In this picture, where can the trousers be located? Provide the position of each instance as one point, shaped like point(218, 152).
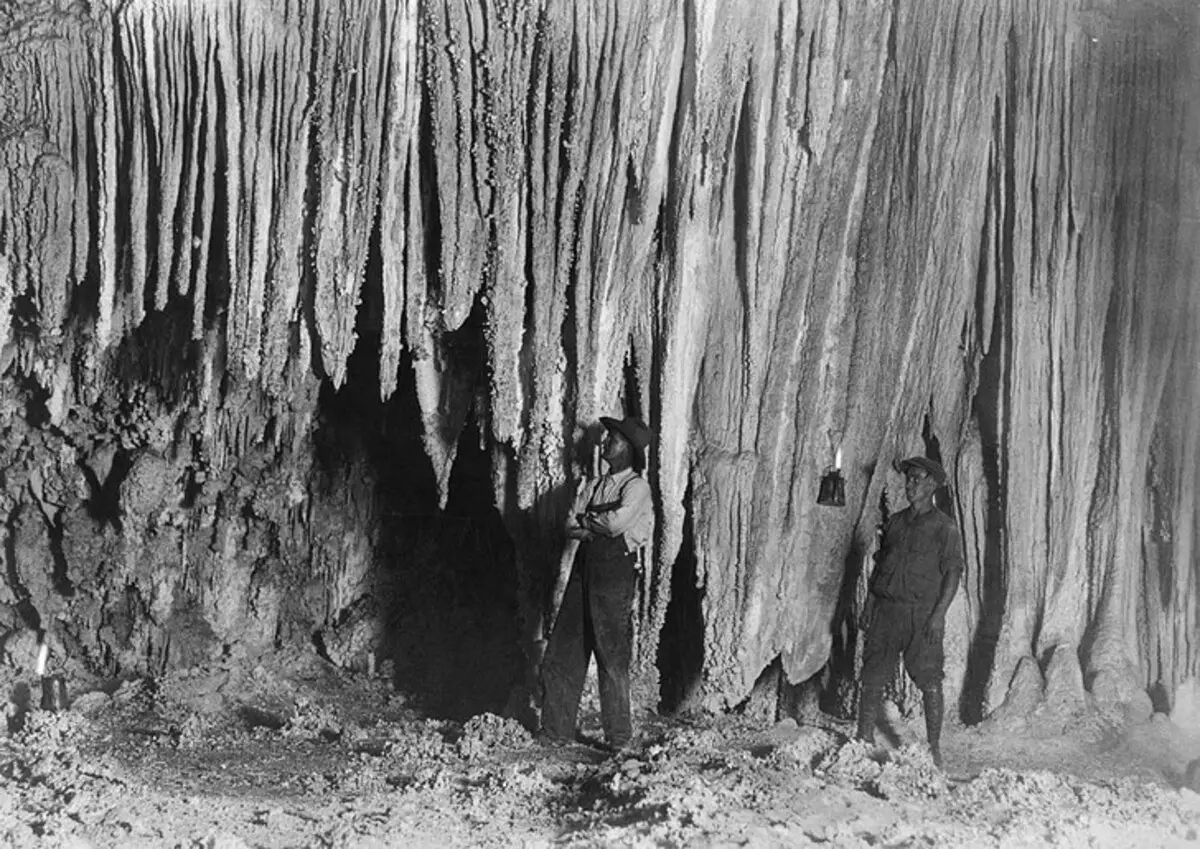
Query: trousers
point(897, 631)
point(595, 617)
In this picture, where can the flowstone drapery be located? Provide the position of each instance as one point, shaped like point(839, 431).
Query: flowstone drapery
point(773, 230)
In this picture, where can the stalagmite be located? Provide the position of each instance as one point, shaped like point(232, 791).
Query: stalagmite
point(784, 234)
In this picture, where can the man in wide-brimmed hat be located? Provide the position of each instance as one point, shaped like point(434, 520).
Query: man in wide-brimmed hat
point(917, 572)
point(614, 520)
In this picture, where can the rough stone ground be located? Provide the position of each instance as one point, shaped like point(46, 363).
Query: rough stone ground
point(290, 751)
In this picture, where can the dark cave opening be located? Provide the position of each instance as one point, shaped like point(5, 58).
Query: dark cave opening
point(444, 582)
point(681, 644)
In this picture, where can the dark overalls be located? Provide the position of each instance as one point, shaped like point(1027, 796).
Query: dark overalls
point(596, 615)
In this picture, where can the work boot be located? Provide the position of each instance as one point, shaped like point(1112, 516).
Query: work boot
point(934, 707)
point(551, 740)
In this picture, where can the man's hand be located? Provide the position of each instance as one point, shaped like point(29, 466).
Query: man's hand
point(580, 529)
point(935, 628)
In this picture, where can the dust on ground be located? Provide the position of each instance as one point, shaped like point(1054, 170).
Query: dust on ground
point(291, 751)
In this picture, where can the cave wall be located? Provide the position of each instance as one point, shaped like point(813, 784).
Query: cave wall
point(968, 228)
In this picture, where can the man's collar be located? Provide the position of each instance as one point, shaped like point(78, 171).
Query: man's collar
point(914, 516)
point(624, 473)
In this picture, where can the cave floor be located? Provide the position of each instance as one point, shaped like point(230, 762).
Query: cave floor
point(292, 752)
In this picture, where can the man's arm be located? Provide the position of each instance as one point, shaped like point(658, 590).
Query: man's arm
point(575, 529)
point(633, 504)
point(881, 543)
point(952, 569)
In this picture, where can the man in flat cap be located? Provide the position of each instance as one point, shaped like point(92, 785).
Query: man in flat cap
point(613, 520)
point(917, 572)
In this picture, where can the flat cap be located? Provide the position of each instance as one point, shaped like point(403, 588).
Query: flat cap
point(932, 467)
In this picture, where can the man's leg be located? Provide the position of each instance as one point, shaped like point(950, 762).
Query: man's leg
point(870, 700)
point(611, 585)
point(879, 662)
point(925, 663)
point(932, 698)
point(564, 667)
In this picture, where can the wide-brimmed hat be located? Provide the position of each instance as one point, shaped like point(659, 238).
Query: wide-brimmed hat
point(933, 467)
point(634, 430)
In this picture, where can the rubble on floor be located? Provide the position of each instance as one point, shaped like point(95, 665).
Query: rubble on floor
point(294, 752)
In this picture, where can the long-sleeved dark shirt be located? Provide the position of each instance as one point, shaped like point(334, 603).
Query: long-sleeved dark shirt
point(917, 552)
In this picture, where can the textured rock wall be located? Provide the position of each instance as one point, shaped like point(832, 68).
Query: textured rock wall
point(967, 228)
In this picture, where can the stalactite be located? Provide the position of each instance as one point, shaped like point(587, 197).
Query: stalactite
point(208, 165)
point(350, 100)
point(459, 116)
point(287, 138)
point(165, 79)
point(398, 245)
point(516, 40)
point(53, 177)
point(251, 105)
point(134, 165)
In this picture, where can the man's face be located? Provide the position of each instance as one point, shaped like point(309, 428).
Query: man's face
point(919, 484)
point(615, 446)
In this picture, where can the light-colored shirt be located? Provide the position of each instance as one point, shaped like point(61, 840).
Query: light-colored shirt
point(632, 516)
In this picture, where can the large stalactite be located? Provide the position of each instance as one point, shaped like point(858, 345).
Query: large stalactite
point(774, 230)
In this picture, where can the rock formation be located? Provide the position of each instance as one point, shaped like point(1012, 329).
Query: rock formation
point(773, 229)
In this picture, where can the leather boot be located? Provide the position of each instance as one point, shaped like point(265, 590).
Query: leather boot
point(934, 707)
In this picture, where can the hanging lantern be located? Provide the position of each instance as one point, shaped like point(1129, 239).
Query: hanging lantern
point(833, 486)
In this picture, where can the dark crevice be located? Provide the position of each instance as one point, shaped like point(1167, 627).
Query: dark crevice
point(37, 397)
point(667, 230)
point(103, 504)
point(153, 214)
point(1102, 562)
point(307, 296)
point(632, 386)
point(369, 320)
point(123, 206)
point(838, 681)
point(564, 201)
point(635, 202)
point(681, 645)
point(992, 599)
point(933, 447)
point(427, 186)
point(84, 306)
point(891, 36)
point(1160, 491)
point(533, 225)
point(743, 165)
point(217, 287)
